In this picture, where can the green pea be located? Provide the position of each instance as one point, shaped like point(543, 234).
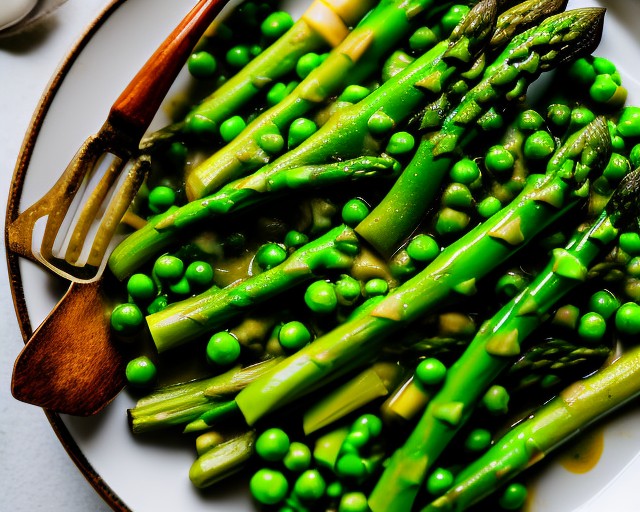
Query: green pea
point(354, 501)
point(439, 481)
point(320, 297)
point(375, 287)
point(423, 248)
point(430, 372)
point(457, 195)
point(231, 128)
point(539, 145)
point(592, 327)
point(158, 304)
point(581, 117)
point(634, 156)
point(335, 489)
point(513, 497)
point(141, 372)
point(295, 239)
point(358, 438)
point(496, 399)
point(499, 159)
point(310, 486)
point(300, 130)
point(510, 284)
point(478, 440)
point(307, 63)
point(603, 88)
point(630, 243)
point(354, 211)
point(422, 39)
point(370, 422)
point(380, 123)
point(350, 465)
point(269, 486)
point(559, 114)
point(489, 206)
point(180, 287)
point(400, 143)
point(629, 122)
point(294, 335)
point(465, 171)
point(202, 64)
point(271, 142)
point(199, 273)
point(141, 287)
point(617, 167)
point(530, 120)
point(161, 198)
point(451, 221)
point(168, 267)
point(223, 349)
point(402, 266)
point(582, 71)
point(126, 318)
point(347, 289)
point(270, 255)
point(627, 318)
point(602, 65)
point(177, 153)
point(453, 16)
point(276, 24)
point(273, 444)
point(238, 56)
point(298, 458)
point(604, 303)
point(354, 93)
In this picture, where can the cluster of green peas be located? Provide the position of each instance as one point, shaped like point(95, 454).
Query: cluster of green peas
point(295, 478)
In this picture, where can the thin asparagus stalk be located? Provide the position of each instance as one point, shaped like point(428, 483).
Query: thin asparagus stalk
point(355, 57)
point(557, 39)
point(181, 403)
point(571, 412)
point(455, 271)
point(185, 320)
point(324, 24)
point(161, 231)
point(492, 351)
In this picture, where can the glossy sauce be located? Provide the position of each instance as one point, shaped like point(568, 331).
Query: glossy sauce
point(583, 455)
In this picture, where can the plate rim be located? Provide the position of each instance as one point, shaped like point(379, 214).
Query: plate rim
point(15, 277)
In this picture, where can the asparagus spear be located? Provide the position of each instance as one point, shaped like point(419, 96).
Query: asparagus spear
point(324, 23)
point(159, 232)
point(557, 39)
point(454, 271)
point(493, 350)
point(559, 420)
point(354, 58)
point(185, 320)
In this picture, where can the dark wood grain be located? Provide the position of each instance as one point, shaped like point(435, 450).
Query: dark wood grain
point(71, 364)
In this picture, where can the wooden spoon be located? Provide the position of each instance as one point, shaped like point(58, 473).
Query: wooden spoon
point(70, 364)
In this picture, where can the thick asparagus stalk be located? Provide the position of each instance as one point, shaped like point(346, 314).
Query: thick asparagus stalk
point(185, 320)
point(355, 57)
point(557, 39)
point(489, 354)
point(550, 426)
point(454, 271)
point(159, 232)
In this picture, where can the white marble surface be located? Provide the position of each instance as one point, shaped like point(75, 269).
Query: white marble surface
point(35, 471)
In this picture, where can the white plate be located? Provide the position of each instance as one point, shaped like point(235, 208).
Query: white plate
point(143, 474)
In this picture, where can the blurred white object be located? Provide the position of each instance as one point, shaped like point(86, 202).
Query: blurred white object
point(16, 15)
point(12, 11)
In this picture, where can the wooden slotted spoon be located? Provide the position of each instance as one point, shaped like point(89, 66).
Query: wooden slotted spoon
point(69, 364)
